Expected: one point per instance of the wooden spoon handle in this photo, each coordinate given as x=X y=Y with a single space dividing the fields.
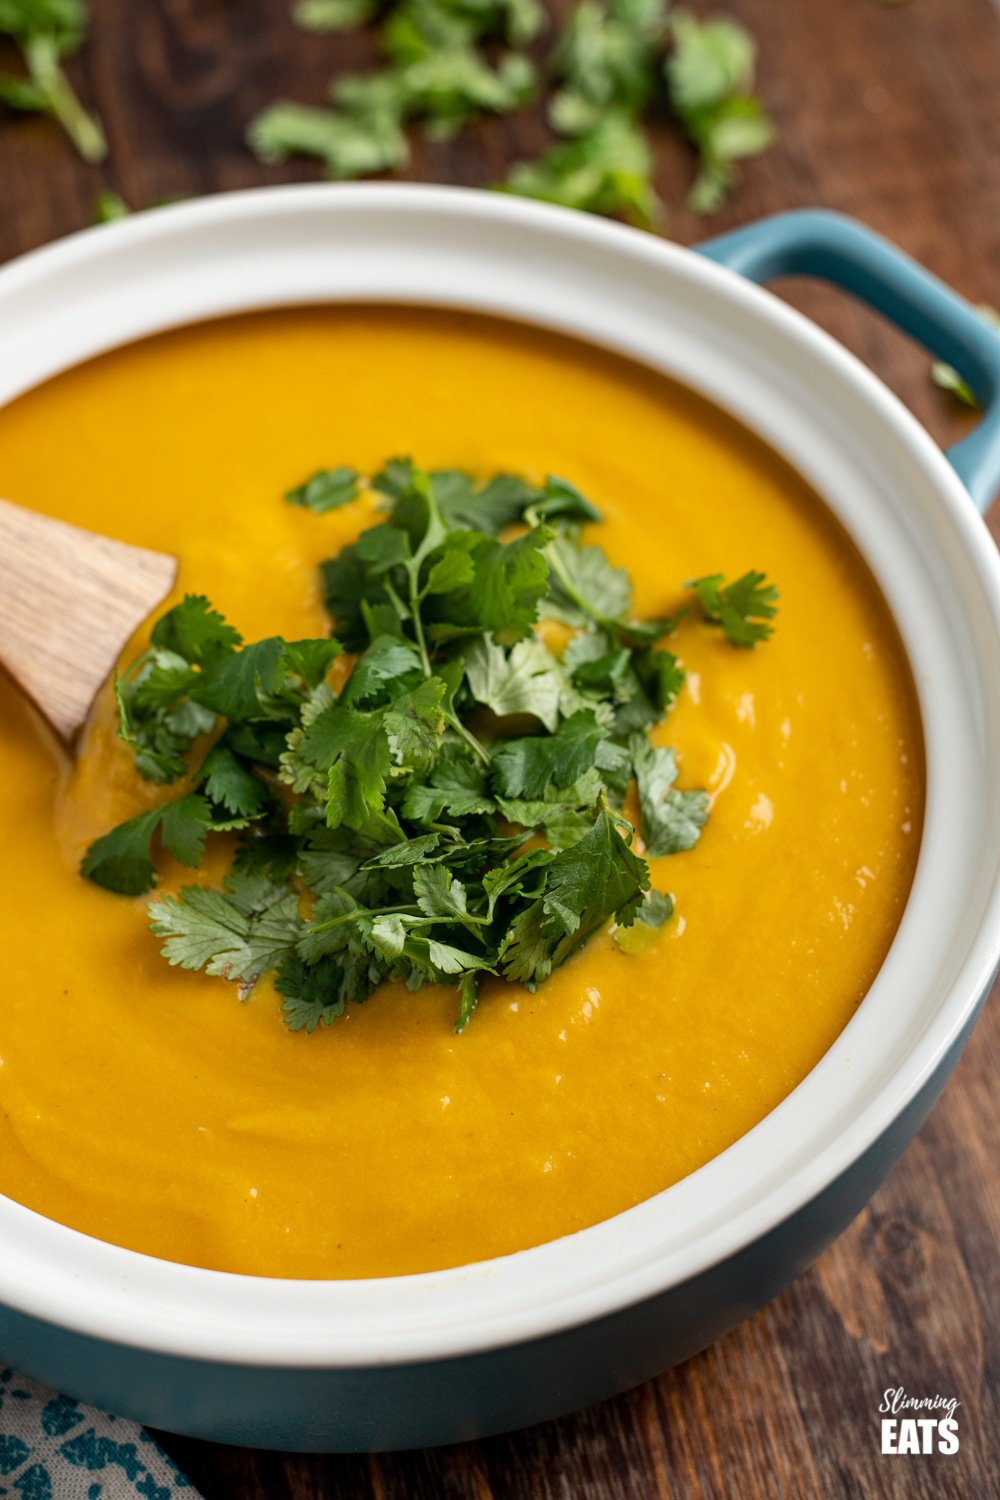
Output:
x=69 y=602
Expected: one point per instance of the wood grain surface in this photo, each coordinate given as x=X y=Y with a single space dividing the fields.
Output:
x=890 y=112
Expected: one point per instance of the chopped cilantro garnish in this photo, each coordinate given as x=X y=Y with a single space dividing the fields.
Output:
x=455 y=808
x=742 y=608
x=328 y=489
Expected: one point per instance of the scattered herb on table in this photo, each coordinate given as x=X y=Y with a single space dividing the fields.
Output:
x=710 y=73
x=606 y=58
x=455 y=807
x=615 y=64
x=620 y=62
x=949 y=379
x=109 y=207
x=608 y=170
x=437 y=70
x=46 y=32
x=333 y=15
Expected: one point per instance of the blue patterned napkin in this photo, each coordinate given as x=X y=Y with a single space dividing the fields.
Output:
x=52 y=1448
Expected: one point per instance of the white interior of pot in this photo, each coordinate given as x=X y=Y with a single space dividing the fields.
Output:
x=880 y=474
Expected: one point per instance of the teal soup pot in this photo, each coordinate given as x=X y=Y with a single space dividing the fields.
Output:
x=436 y=1358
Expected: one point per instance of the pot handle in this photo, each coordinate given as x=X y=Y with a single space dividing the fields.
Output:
x=813 y=242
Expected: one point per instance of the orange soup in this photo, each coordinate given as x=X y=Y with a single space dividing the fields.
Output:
x=145 y=1106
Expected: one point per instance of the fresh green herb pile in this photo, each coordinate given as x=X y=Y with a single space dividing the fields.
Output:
x=46 y=31
x=455 y=809
x=615 y=65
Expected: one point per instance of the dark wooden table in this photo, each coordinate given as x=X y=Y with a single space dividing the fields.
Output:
x=889 y=112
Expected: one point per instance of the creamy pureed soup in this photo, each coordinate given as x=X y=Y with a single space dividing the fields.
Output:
x=145 y=1106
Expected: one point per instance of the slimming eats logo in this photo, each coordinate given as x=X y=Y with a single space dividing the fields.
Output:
x=923 y=1433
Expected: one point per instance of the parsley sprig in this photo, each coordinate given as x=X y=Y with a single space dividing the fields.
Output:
x=455 y=809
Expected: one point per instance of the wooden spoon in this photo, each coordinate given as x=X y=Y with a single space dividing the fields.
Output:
x=69 y=602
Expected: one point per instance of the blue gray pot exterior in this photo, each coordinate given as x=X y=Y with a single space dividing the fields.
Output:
x=456 y=1400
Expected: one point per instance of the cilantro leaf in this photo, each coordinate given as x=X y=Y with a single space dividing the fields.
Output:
x=446 y=958
x=386 y=667
x=561 y=499
x=710 y=75
x=499 y=503
x=436 y=72
x=593 y=880
x=310 y=660
x=742 y=608
x=414 y=722
x=215 y=931
x=661 y=676
x=606 y=58
x=583 y=585
x=409 y=852
x=318 y=994
x=563 y=815
x=671 y=820
x=46 y=31
x=183 y=828
x=352 y=591
x=711 y=61
x=456 y=786
x=438 y=893
x=121 y=860
x=203 y=929
x=108 y=207
x=332 y=15
x=526 y=767
x=657 y=908
x=312 y=993
x=159 y=727
x=525 y=680
x=196 y=632
x=229 y=782
x=326 y=490
x=235 y=686
x=586 y=885
x=348 y=144
x=453 y=570
x=353 y=749
x=607 y=170
x=508 y=580
x=21 y=93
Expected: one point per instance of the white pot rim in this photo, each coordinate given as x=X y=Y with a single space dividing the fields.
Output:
x=915 y=524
